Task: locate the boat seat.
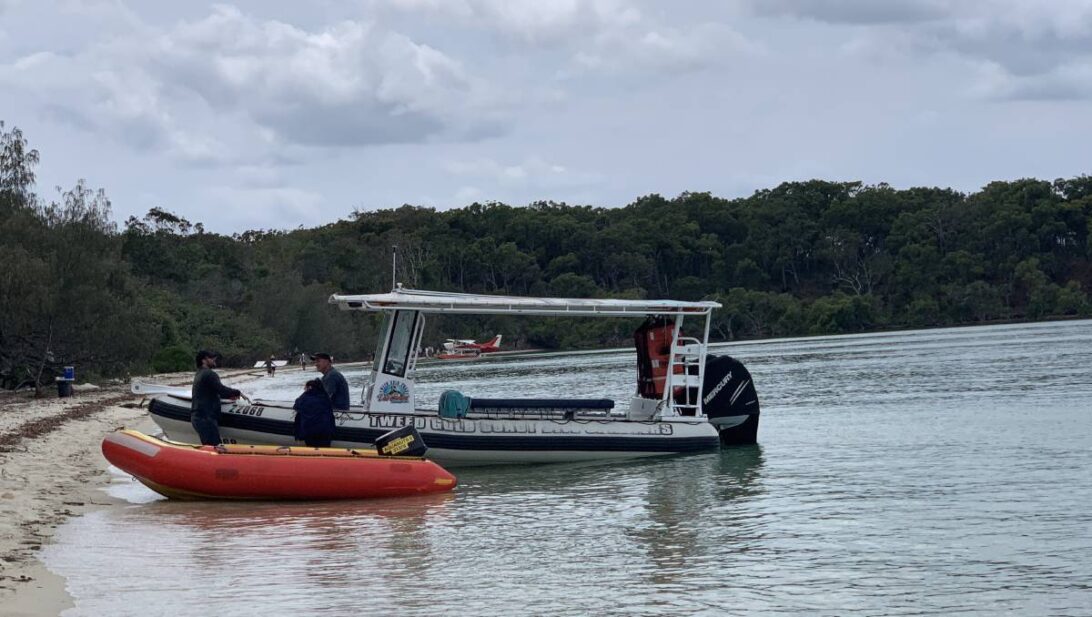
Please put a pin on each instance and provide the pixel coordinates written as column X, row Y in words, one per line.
column 540, row 403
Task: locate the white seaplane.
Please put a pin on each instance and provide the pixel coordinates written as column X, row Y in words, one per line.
column 685, row 400
column 490, row 346
column 468, row 349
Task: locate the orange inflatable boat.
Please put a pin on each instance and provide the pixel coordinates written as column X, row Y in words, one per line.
column 181, row 471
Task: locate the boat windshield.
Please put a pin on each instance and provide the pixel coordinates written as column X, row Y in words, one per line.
column 384, row 328
column 398, row 351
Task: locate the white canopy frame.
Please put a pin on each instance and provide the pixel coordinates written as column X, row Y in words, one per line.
column 446, row 302
column 685, row 351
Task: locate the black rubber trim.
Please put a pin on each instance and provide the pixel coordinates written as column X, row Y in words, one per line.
column 541, row 403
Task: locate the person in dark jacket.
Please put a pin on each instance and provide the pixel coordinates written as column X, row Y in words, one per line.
column 205, row 398
column 314, row 416
column 333, row 381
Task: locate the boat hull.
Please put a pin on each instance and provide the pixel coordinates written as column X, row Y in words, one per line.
column 457, row 442
column 181, row 471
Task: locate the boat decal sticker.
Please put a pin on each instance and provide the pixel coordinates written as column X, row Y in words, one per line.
column 452, row 426
column 506, row 428
column 393, row 391
column 389, row 422
column 248, row 410
column 717, row 388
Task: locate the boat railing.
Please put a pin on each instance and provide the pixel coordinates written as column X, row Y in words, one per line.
column 688, row 358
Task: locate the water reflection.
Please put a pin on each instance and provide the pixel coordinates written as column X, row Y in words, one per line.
column 695, row 509
column 257, row 552
column 910, row 473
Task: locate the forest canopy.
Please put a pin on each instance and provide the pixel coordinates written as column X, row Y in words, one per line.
column 814, row 257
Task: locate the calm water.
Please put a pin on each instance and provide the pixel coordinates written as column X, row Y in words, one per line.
column 937, row 472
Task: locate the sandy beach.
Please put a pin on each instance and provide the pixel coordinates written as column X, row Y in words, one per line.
column 51, row 469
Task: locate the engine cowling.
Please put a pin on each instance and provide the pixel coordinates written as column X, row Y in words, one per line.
column 730, row 400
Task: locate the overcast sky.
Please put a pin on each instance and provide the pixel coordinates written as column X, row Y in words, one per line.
column 277, row 114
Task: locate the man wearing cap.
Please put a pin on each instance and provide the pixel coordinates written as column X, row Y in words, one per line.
column 332, row 381
column 205, row 398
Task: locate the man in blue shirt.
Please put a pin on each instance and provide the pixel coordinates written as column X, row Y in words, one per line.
column 332, row 381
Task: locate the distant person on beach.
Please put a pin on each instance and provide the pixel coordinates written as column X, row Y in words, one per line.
column 333, row 381
column 270, row 366
column 303, row 362
column 205, row 398
column 314, row 423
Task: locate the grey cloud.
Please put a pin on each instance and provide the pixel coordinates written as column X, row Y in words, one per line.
column 1065, row 83
column 81, row 90
column 1030, row 41
column 1050, row 90
column 852, row 11
column 349, row 124
column 1020, row 52
column 601, row 36
column 531, row 22
column 255, row 118
column 531, row 172
column 202, row 90
column 665, row 50
column 351, row 84
column 69, row 117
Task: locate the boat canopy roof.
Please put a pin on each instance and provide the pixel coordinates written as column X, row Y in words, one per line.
column 446, row 302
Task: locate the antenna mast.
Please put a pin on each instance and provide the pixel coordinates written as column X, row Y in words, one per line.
column 394, row 266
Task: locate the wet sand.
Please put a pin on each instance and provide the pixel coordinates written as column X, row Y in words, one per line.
column 51, row 468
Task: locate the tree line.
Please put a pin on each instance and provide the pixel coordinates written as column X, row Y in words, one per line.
column 813, row 257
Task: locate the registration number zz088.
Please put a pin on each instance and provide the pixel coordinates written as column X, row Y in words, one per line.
column 248, row 410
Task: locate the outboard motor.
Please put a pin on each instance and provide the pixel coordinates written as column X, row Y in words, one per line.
column 730, row 400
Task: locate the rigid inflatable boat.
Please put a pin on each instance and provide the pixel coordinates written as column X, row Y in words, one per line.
column 182, row 471
column 685, row 400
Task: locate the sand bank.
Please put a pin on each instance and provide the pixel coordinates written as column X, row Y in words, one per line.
column 51, row 468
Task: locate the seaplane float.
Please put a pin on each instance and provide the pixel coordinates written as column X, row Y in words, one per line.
column 685, row 400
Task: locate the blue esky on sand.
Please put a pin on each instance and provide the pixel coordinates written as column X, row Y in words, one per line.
column 273, row 114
